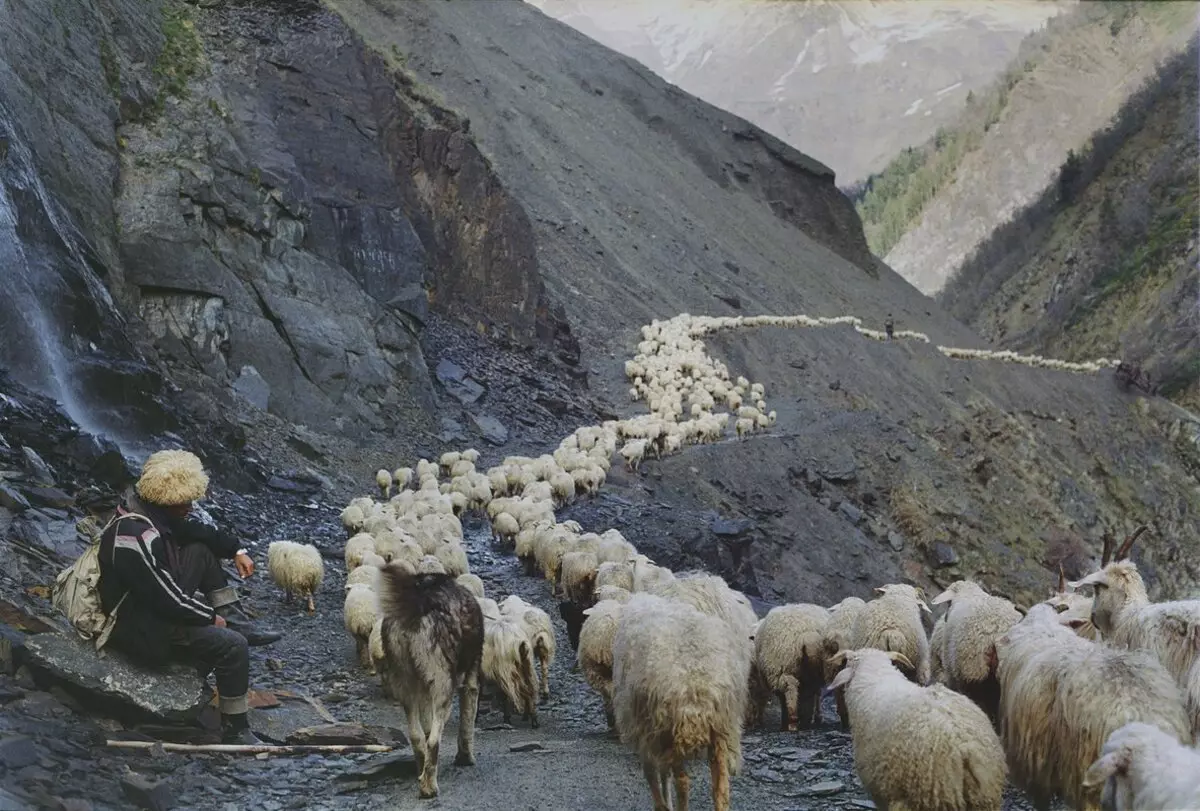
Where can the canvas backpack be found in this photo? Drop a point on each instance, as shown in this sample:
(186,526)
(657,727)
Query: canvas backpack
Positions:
(76,591)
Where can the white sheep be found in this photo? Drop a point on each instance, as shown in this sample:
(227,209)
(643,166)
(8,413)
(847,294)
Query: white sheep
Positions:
(973,623)
(679,692)
(1125,617)
(540,632)
(612,573)
(789,651)
(1142,767)
(578,576)
(359,614)
(362,576)
(358,546)
(595,654)
(471,582)
(383,478)
(508,663)
(838,636)
(1061,696)
(617,593)
(297,569)
(918,748)
(892,622)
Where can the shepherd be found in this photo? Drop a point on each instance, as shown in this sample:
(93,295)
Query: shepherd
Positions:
(889,327)
(154,555)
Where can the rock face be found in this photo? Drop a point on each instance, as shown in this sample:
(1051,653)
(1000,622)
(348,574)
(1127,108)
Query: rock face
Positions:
(175,694)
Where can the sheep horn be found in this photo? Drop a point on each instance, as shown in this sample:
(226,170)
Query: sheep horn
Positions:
(900,659)
(1123,551)
(838,659)
(1106,554)
(1062,580)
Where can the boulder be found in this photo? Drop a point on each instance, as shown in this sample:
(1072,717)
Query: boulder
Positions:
(251,386)
(457,384)
(491,428)
(173,694)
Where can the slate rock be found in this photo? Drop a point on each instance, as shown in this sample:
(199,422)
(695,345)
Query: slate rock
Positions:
(49,497)
(10,499)
(251,386)
(36,465)
(393,764)
(944,554)
(145,793)
(348,734)
(825,788)
(11,802)
(17,752)
(457,383)
(895,540)
(839,468)
(731,527)
(850,511)
(175,693)
(491,428)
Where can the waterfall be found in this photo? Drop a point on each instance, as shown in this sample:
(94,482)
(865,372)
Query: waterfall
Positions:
(48,292)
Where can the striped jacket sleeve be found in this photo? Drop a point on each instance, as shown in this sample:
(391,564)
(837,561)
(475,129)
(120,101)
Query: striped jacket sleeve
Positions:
(141,571)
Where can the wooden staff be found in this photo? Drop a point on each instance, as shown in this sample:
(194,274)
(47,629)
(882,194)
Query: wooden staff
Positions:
(254,749)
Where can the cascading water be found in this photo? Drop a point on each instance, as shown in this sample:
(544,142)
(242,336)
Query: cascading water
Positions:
(48,292)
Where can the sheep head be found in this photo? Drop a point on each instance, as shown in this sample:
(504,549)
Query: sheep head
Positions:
(905,592)
(850,660)
(959,588)
(1116,586)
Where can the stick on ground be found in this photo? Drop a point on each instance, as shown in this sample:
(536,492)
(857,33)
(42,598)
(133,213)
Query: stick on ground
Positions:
(242,749)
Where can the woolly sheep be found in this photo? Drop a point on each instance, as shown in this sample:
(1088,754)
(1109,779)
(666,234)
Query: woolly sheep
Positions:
(383,478)
(1142,767)
(1124,615)
(359,613)
(402,477)
(838,635)
(611,573)
(789,651)
(892,622)
(471,582)
(595,651)
(430,565)
(297,569)
(452,557)
(973,623)
(937,651)
(353,518)
(578,577)
(540,631)
(508,663)
(918,748)
(678,691)
(1061,696)
(358,546)
(362,576)
(505,528)
(606,592)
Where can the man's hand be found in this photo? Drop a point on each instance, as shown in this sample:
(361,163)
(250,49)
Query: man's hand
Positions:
(219,621)
(245,566)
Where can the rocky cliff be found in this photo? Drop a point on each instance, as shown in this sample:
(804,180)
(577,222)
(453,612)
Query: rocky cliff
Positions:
(1007,149)
(1105,261)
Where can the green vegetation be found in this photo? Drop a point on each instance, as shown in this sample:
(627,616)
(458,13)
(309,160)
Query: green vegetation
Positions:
(111,68)
(891,202)
(181,56)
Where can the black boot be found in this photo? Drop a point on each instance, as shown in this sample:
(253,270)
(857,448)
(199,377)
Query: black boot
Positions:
(235,729)
(236,619)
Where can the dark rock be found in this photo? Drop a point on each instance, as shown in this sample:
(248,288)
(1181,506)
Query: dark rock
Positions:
(294,483)
(144,793)
(944,554)
(49,497)
(532,746)
(17,751)
(731,527)
(824,789)
(36,465)
(457,383)
(10,499)
(850,511)
(350,734)
(840,468)
(491,428)
(251,386)
(174,694)
(395,764)
(732,301)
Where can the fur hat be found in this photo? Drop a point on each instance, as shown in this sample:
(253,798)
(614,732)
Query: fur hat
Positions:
(172,477)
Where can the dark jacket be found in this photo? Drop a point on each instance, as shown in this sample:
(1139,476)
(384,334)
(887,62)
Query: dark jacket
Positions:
(140,558)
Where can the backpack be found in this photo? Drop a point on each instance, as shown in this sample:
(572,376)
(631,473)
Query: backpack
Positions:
(76,591)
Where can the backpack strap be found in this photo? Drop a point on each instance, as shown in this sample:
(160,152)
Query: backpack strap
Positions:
(111,621)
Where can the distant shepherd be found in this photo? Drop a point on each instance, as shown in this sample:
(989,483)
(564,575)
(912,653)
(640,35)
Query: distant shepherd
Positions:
(889,327)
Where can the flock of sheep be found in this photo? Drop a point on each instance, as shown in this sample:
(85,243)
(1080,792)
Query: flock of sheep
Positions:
(1087,697)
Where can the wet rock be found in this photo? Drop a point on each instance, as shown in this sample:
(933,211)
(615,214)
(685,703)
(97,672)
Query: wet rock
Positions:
(173,694)
(850,511)
(10,499)
(731,527)
(825,788)
(49,497)
(457,383)
(145,793)
(251,385)
(395,764)
(17,752)
(348,734)
(491,428)
(532,746)
(41,472)
(944,554)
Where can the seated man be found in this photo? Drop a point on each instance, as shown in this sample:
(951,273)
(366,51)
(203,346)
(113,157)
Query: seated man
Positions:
(149,571)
